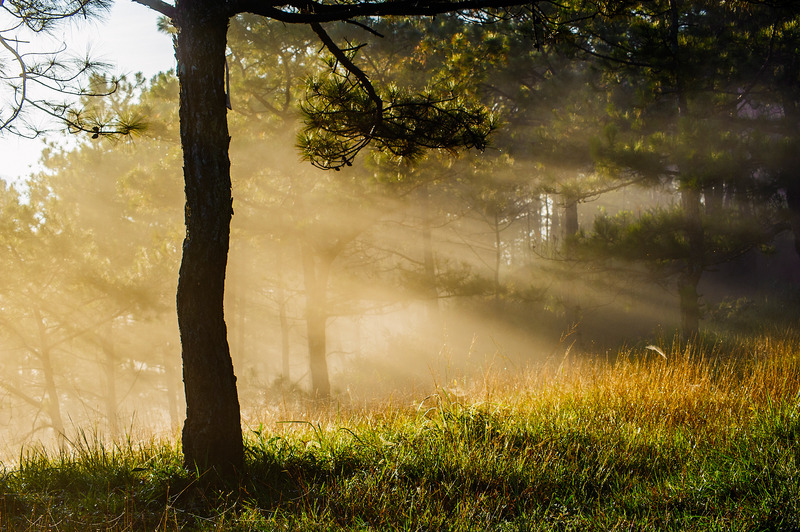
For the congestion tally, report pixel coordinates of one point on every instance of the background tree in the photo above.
(677, 118)
(90, 286)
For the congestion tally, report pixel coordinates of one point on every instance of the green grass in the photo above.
(686, 442)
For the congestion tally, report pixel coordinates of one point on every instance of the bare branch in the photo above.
(13, 390)
(23, 89)
(157, 5)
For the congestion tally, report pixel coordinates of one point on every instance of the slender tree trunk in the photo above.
(498, 257)
(431, 329)
(546, 221)
(571, 229)
(570, 216)
(110, 370)
(53, 403)
(284, 323)
(555, 224)
(688, 281)
(286, 368)
(528, 234)
(713, 196)
(428, 262)
(534, 225)
(316, 284)
(793, 203)
(690, 199)
(212, 436)
(791, 181)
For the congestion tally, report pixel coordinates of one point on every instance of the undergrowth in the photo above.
(680, 439)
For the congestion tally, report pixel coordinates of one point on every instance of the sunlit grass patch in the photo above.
(692, 440)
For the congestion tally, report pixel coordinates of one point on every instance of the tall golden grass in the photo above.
(677, 436)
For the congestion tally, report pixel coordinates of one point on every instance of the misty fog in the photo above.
(407, 274)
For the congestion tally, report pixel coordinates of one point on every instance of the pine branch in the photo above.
(352, 68)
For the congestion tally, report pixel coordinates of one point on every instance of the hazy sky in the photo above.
(127, 38)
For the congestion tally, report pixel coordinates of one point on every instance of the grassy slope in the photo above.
(647, 442)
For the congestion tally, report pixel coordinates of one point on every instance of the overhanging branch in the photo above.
(157, 5)
(309, 12)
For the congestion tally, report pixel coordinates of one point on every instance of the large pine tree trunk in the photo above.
(212, 437)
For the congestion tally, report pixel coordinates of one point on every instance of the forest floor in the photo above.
(686, 439)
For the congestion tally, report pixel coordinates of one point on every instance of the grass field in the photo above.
(689, 440)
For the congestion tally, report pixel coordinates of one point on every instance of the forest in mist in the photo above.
(639, 183)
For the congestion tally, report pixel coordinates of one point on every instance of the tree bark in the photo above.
(212, 436)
